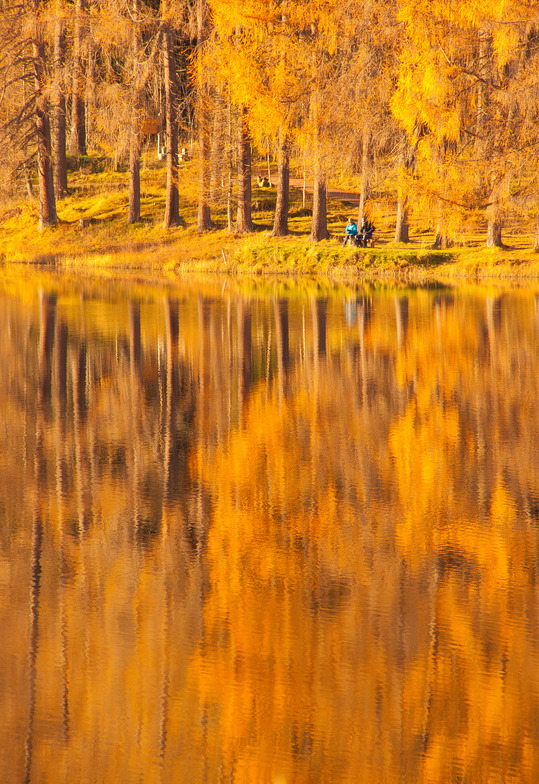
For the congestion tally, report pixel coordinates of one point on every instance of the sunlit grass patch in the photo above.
(93, 232)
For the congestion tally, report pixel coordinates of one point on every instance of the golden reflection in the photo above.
(268, 538)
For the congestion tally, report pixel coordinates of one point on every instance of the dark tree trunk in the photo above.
(135, 130)
(90, 85)
(536, 248)
(244, 222)
(204, 216)
(280, 222)
(319, 225)
(59, 124)
(401, 314)
(217, 153)
(402, 233)
(365, 138)
(494, 217)
(494, 231)
(172, 215)
(230, 169)
(244, 352)
(46, 343)
(407, 161)
(134, 178)
(47, 201)
(441, 239)
(78, 107)
(319, 310)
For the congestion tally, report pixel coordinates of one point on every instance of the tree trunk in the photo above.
(365, 138)
(204, 212)
(172, 214)
(536, 248)
(402, 233)
(230, 167)
(319, 224)
(217, 150)
(59, 123)
(402, 227)
(90, 84)
(134, 177)
(441, 239)
(494, 216)
(78, 108)
(494, 229)
(204, 216)
(135, 130)
(47, 201)
(244, 222)
(280, 222)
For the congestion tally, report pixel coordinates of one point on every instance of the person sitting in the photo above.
(350, 233)
(367, 230)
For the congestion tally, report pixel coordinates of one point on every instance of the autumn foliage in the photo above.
(429, 107)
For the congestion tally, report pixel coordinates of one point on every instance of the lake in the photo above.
(275, 533)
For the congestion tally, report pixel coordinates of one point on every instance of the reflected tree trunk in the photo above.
(46, 343)
(494, 322)
(401, 314)
(61, 411)
(319, 313)
(280, 307)
(319, 320)
(363, 317)
(60, 418)
(80, 408)
(204, 309)
(171, 397)
(244, 354)
(47, 330)
(135, 373)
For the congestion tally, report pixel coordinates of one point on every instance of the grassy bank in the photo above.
(92, 233)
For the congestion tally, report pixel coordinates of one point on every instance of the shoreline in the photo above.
(92, 235)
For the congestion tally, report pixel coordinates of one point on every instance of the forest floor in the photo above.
(92, 234)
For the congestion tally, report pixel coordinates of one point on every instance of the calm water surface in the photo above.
(289, 536)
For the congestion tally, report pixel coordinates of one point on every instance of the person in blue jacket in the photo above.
(350, 232)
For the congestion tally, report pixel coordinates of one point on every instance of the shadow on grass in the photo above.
(435, 259)
(398, 257)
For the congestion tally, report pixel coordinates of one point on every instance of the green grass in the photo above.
(99, 197)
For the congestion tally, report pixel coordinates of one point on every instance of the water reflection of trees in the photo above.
(271, 539)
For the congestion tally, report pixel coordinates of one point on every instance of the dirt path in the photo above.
(332, 193)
